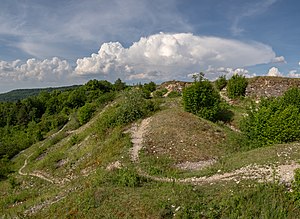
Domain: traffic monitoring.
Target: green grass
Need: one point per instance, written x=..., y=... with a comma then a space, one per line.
x=95, y=192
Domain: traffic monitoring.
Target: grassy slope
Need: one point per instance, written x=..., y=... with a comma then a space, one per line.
x=79, y=160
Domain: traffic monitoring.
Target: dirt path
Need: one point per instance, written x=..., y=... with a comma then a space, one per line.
x=137, y=138
x=261, y=173
x=224, y=97
x=39, y=174
x=24, y=165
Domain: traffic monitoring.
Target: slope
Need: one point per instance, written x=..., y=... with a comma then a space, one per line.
x=96, y=171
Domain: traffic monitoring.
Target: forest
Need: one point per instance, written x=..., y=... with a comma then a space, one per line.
x=21, y=94
x=24, y=122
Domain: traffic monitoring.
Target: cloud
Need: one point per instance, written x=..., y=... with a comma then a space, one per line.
x=248, y=10
x=279, y=59
x=33, y=70
x=214, y=73
x=45, y=29
x=274, y=72
x=294, y=74
x=167, y=56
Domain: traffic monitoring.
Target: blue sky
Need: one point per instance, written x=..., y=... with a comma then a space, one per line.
x=62, y=42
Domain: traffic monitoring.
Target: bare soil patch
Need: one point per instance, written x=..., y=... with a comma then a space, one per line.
x=183, y=137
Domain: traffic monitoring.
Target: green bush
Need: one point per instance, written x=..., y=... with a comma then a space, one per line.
x=5, y=167
x=221, y=82
x=74, y=140
x=236, y=86
x=173, y=94
x=292, y=96
x=202, y=99
x=150, y=86
x=85, y=113
x=274, y=120
x=128, y=177
x=296, y=187
x=160, y=93
x=134, y=106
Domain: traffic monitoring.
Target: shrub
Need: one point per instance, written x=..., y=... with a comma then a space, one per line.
x=150, y=86
x=74, y=140
x=173, y=94
x=292, y=96
x=119, y=85
x=160, y=93
x=296, y=187
x=5, y=167
x=236, y=86
x=85, y=113
x=202, y=99
x=273, y=121
x=128, y=177
x=221, y=82
x=134, y=106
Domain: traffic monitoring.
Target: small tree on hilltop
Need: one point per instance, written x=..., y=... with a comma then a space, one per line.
x=221, y=82
x=119, y=85
x=202, y=99
x=236, y=86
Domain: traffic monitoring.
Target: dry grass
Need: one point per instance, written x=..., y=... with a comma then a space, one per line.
x=182, y=137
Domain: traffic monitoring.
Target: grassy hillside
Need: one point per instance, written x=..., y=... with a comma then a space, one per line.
x=21, y=94
x=163, y=163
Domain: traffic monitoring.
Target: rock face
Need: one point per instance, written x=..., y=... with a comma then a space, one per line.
x=270, y=86
x=177, y=86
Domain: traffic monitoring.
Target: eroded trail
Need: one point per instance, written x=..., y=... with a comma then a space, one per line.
x=137, y=133
x=262, y=173
x=39, y=174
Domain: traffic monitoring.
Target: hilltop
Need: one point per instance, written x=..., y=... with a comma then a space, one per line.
x=20, y=94
x=143, y=157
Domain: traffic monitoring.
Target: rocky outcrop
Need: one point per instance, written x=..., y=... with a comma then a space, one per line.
x=177, y=86
x=270, y=86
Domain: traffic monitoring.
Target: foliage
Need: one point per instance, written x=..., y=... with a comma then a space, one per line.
x=151, y=86
x=73, y=140
x=25, y=122
x=261, y=201
x=236, y=86
x=4, y=167
x=202, y=99
x=20, y=94
x=85, y=113
x=119, y=85
x=296, y=187
x=221, y=82
x=274, y=120
x=134, y=106
x=147, y=89
x=128, y=177
x=160, y=93
x=173, y=94
x=292, y=97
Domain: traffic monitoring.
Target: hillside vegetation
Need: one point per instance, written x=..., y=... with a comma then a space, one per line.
x=21, y=94
x=113, y=151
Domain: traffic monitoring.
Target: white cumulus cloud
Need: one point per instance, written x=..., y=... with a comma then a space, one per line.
x=294, y=74
x=33, y=70
x=274, y=72
x=168, y=56
x=279, y=59
x=228, y=72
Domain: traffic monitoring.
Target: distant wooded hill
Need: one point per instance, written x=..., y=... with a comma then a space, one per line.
x=20, y=94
